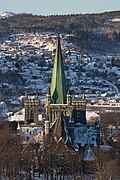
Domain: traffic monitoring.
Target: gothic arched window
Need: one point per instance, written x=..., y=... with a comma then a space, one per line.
x=31, y=115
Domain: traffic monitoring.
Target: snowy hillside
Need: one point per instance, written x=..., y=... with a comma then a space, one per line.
x=6, y=14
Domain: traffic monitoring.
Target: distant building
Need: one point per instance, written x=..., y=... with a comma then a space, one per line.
x=115, y=62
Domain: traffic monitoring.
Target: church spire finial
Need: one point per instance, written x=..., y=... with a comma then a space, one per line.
x=58, y=85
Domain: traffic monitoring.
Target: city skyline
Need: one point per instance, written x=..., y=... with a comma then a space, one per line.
x=52, y=7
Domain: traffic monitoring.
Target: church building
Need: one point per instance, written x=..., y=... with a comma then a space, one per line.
x=65, y=114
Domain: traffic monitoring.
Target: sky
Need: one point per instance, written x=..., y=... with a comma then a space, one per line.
x=51, y=7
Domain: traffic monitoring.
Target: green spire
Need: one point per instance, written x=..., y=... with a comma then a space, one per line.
x=58, y=85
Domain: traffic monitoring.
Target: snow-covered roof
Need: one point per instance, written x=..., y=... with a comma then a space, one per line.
x=18, y=116
x=92, y=116
x=88, y=154
x=32, y=132
x=115, y=20
x=106, y=148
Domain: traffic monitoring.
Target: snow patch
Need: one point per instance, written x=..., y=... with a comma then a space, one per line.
x=115, y=20
x=6, y=14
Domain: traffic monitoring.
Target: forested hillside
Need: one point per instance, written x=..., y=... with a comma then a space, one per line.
x=93, y=32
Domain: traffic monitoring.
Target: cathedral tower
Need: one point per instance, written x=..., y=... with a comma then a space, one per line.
x=31, y=109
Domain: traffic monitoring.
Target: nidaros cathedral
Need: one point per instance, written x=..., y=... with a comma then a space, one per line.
x=65, y=114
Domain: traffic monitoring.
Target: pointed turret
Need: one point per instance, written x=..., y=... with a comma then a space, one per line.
x=58, y=85
x=48, y=97
x=68, y=96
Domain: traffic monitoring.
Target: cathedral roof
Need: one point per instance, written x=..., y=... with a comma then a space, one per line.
x=58, y=84
x=60, y=129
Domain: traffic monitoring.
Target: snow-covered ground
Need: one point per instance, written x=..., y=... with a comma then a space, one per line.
x=6, y=14
x=115, y=20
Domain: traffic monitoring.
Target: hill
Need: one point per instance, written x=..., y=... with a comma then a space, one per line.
x=92, y=32
x=6, y=14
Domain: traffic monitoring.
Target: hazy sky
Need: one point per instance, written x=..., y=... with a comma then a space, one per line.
x=48, y=7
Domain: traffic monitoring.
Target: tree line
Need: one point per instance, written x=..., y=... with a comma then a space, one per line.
x=25, y=161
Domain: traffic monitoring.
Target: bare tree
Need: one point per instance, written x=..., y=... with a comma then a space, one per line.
x=106, y=165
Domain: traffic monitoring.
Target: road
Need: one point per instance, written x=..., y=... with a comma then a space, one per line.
x=113, y=87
